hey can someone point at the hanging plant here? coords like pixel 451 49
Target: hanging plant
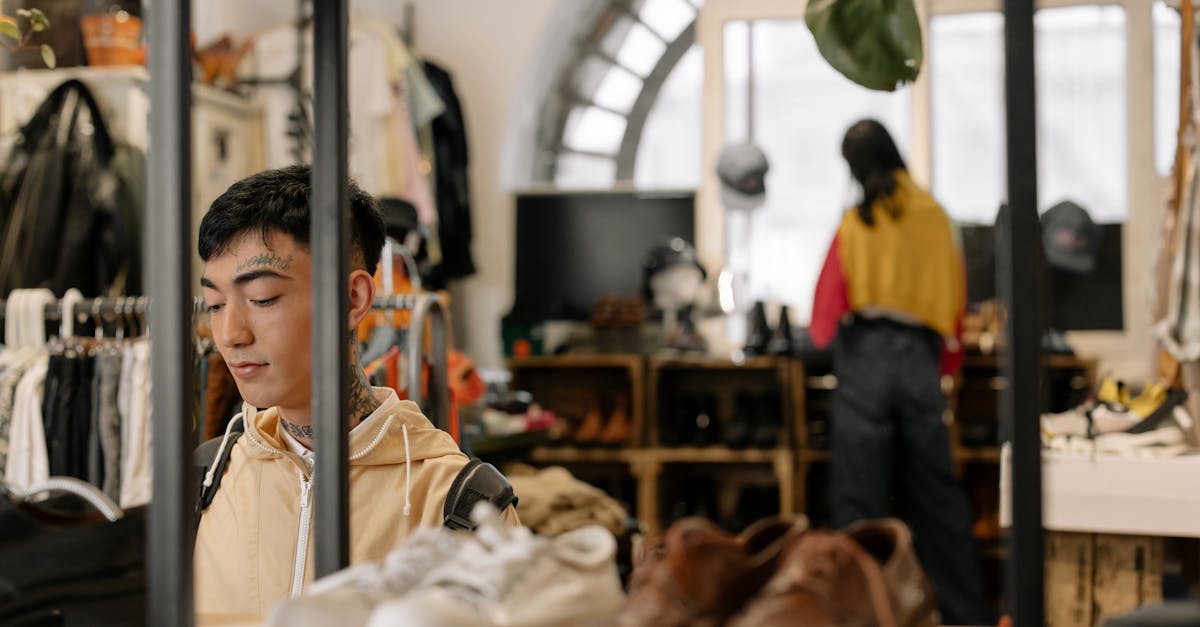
pixel 10 29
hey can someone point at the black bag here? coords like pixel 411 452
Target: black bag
pixel 63 563
pixel 71 202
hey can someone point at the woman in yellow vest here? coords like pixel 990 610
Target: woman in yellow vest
pixel 891 293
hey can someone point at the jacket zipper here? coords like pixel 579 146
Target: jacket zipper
pixel 302 534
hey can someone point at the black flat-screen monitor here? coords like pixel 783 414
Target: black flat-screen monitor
pixel 574 248
pixel 1070 301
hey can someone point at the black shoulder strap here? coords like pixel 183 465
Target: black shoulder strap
pixel 477 481
pixel 211 455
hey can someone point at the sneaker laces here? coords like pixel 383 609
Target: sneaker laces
pixel 491 560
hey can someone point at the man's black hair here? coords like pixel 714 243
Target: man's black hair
pixel 278 200
pixel 873 159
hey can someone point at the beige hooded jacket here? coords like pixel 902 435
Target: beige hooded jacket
pixel 254 544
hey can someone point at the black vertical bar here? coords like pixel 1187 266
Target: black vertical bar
pixel 330 233
pixel 166 243
pixel 1017 265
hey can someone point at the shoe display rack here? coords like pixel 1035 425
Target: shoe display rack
pixel 695 422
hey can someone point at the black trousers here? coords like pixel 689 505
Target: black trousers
pixel 889 440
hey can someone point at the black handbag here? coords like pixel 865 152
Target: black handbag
pixel 65 562
pixel 71 202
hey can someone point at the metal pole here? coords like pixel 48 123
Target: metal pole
pixel 437 408
pixel 330 234
pixel 166 241
pixel 1017 263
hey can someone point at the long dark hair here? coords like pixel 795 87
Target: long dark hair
pixel 873 159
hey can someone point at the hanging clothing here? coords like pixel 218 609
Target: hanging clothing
pixel 452 181
pixel 27 462
pixel 57 392
pixel 380 161
pixel 22 361
pixel 108 369
pixel 136 441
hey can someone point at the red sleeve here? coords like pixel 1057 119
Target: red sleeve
pixel 831 301
pixel 952 348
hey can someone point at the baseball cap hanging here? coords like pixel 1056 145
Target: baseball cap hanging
pixel 1070 237
pixel 742 170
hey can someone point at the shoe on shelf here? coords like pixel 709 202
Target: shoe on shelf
pixel 737 431
pixel 618 430
pixel 1152 396
pixel 590 429
pixel 1113 391
pixel 758 336
pixel 1073 422
pixel 505 576
pixel 781 339
pixel 349 596
pixel 701 575
pixel 1166 440
pixel 705 430
pixel 768 425
pixel 868 575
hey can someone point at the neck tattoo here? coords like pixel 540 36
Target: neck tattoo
pixel 362 404
pixel 297 431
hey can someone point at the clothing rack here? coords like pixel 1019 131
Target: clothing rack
pixel 425 307
pixel 139 305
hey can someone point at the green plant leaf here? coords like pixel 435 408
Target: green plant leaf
pixel 38 20
pixel 24 12
pixel 48 56
pixel 9 27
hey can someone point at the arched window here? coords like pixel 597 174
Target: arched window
pixel 627 109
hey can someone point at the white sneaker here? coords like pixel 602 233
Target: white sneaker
pixel 1165 441
pixel 509 577
pixel 348 596
pixel 1074 421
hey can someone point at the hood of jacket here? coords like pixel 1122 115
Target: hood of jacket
pixel 379 440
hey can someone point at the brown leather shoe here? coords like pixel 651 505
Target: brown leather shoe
pixel 700 575
pixel 866 577
pixel 589 430
pixel 619 429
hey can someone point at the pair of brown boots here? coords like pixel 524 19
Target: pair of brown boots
pixel 595 431
pixel 779 572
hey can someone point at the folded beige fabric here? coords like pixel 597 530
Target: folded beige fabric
pixel 553 502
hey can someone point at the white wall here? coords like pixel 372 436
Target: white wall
pixel 501 55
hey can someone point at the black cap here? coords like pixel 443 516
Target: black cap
pixel 1070 237
pixel 399 217
pixel 675 251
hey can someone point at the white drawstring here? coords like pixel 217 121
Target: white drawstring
pixel 212 470
pixel 407 472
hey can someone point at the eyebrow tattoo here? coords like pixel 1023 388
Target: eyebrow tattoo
pixel 272 261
